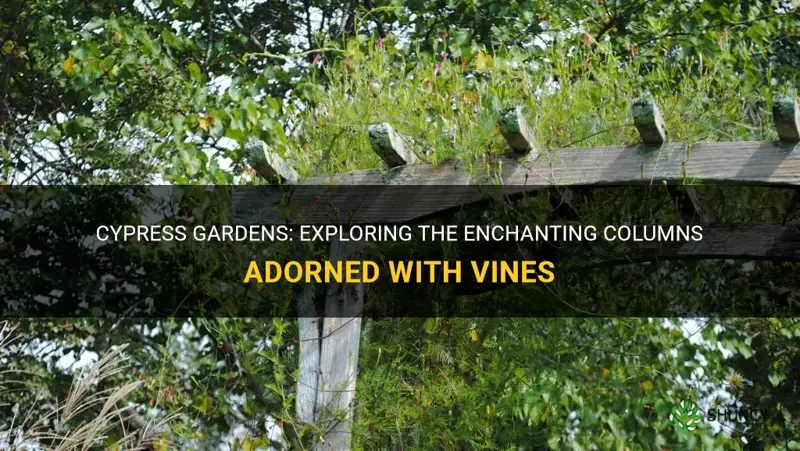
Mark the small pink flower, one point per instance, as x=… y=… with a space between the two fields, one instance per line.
x=587 y=39
x=317 y=59
x=437 y=69
x=444 y=35
x=380 y=43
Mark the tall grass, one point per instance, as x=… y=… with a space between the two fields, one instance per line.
x=86 y=418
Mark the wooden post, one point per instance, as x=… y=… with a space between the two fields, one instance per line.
x=786 y=116
x=339 y=345
x=273 y=169
x=309 y=327
x=326 y=383
x=517 y=133
x=332 y=383
x=328 y=348
x=390 y=146
x=648 y=120
x=269 y=165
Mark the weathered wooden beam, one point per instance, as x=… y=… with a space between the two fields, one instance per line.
x=648 y=120
x=786 y=116
x=756 y=162
x=773 y=242
x=390 y=146
x=517 y=133
x=269 y=165
x=744 y=242
x=753 y=163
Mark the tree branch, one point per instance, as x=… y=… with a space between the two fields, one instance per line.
x=248 y=55
x=238 y=24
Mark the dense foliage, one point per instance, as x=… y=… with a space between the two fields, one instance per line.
x=170 y=90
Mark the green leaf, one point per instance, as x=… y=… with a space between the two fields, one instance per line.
x=81 y=52
x=194 y=71
x=190 y=161
x=554 y=440
x=775 y=379
x=94 y=23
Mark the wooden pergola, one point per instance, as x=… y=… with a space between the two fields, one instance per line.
x=329 y=340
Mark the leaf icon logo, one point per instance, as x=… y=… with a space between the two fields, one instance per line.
x=685 y=416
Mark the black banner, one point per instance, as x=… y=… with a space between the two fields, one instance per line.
x=157 y=251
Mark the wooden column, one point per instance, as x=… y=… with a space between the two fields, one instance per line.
x=274 y=170
x=339 y=345
x=328 y=348
x=309 y=326
x=332 y=384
